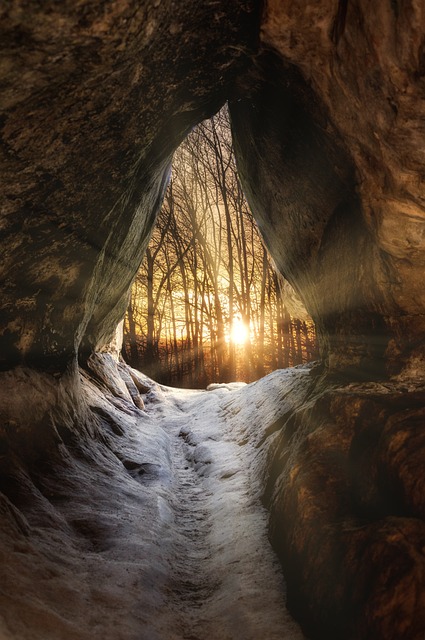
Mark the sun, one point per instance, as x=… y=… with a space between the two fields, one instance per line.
x=239 y=332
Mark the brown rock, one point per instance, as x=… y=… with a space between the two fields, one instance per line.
x=94 y=101
x=364 y=63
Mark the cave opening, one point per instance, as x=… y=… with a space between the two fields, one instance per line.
x=131 y=509
x=207 y=304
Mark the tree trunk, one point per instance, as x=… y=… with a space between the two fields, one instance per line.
x=132 y=336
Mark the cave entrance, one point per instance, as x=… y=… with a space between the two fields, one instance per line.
x=207 y=304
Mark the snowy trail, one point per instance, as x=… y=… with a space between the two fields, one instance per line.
x=225 y=581
x=154 y=529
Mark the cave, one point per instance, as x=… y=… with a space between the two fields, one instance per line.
x=326 y=101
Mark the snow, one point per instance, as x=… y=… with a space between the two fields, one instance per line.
x=159 y=532
x=233 y=584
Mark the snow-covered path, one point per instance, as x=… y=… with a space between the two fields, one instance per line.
x=153 y=528
x=225 y=581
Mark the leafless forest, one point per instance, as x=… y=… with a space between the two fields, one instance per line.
x=206 y=304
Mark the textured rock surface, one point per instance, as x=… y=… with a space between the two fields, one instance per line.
x=95 y=98
x=300 y=181
x=365 y=63
x=346 y=519
x=324 y=226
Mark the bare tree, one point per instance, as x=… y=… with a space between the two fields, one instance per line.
x=206 y=276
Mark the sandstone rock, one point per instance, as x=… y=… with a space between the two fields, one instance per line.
x=349 y=531
x=131 y=386
x=364 y=64
x=94 y=101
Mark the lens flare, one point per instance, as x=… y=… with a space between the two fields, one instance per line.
x=239 y=333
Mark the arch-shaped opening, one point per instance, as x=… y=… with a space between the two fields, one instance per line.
x=208 y=305
x=326 y=105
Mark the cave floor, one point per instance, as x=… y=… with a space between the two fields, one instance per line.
x=155 y=531
x=225 y=579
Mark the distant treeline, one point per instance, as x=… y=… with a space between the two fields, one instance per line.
x=206 y=304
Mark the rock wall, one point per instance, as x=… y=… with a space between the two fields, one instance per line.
x=301 y=183
x=95 y=98
x=345 y=486
x=364 y=62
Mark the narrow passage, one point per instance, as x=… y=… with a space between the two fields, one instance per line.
x=225 y=581
x=154 y=528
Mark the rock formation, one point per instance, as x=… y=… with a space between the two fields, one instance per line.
x=327 y=106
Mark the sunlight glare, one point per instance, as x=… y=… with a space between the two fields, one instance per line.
x=239 y=333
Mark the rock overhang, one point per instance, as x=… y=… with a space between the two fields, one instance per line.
x=107 y=94
x=95 y=100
